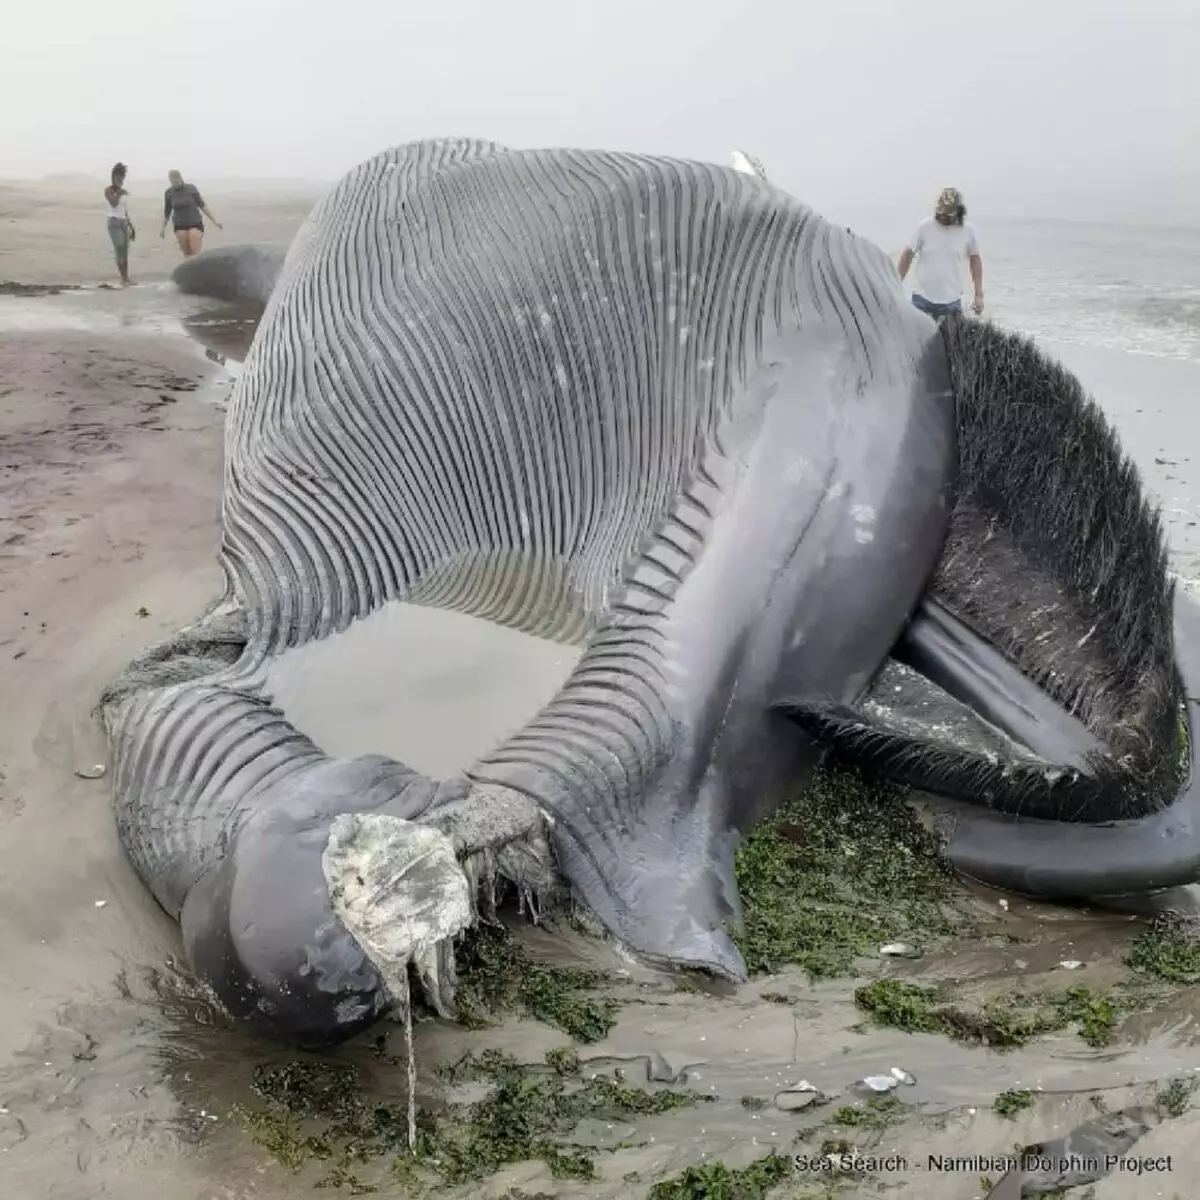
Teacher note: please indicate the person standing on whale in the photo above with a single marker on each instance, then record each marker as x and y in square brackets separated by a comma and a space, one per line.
[184, 207]
[939, 246]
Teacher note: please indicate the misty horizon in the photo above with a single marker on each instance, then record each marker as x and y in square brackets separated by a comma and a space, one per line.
[1086, 111]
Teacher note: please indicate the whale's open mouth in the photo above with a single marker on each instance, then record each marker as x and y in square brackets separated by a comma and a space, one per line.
[1045, 687]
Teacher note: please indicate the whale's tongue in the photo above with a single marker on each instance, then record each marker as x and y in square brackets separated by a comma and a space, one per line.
[950, 715]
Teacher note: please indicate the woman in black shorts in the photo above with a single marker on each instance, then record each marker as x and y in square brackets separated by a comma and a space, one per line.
[183, 206]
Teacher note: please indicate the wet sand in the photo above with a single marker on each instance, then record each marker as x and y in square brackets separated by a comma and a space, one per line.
[54, 231]
[116, 1081]
[110, 451]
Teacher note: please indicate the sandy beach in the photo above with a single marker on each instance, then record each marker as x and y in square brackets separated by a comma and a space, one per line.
[116, 1079]
[54, 231]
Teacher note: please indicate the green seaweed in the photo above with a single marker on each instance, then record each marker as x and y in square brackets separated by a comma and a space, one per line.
[1176, 1098]
[496, 974]
[1014, 1101]
[1005, 1021]
[527, 1116]
[877, 1112]
[912, 1007]
[1167, 951]
[316, 1111]
[564, 1060]
[841, 867]
[716, 1181]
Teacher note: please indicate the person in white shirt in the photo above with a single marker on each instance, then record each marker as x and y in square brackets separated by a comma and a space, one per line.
[120, 227]
[940, 246]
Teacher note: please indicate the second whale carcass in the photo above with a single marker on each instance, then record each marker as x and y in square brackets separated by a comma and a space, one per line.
[663, 415]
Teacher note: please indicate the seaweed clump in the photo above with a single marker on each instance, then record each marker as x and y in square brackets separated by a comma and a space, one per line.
[838, 869]
[316, 1111]
[529, 1115]
[1176, 1098]
[496, 974]
[1015, 1100]
[716, 1181]
[1003, 1022]
[879, 1112]
[1169, 950]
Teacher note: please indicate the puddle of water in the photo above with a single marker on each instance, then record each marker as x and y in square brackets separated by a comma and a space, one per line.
[225, 333]
[433, 688]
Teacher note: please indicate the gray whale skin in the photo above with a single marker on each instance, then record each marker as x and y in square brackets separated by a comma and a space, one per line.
[662, 412]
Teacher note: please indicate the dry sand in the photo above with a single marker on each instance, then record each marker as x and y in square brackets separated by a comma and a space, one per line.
[114, 1082]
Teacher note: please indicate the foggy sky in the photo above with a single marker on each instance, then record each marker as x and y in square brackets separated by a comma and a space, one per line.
[1089, 107]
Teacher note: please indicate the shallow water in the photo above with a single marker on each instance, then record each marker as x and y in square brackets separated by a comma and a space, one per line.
[153, 307]
[225, 333]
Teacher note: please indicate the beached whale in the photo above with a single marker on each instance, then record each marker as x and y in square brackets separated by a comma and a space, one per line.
[662, 414]
[238, 274]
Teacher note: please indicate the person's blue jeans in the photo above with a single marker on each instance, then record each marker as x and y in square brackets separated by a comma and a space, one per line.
[937, 311]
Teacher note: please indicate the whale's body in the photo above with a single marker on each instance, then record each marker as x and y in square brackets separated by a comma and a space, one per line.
[656, 412]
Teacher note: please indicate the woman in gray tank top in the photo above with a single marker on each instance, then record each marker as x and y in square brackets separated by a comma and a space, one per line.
[183, 206]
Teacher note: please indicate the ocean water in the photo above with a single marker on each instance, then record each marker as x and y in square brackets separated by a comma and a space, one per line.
[1120, 287]
[1119, 306]
[1131, 288]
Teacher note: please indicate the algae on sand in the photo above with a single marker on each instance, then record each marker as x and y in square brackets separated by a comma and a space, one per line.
[1005, 1021]
[529, 1114]
[716, 1181]
[1176, 1098]
[877, 1112]
[840, 868]
[496, 974]
[316, 1111]
[1169, 950]
[1014, 1101]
